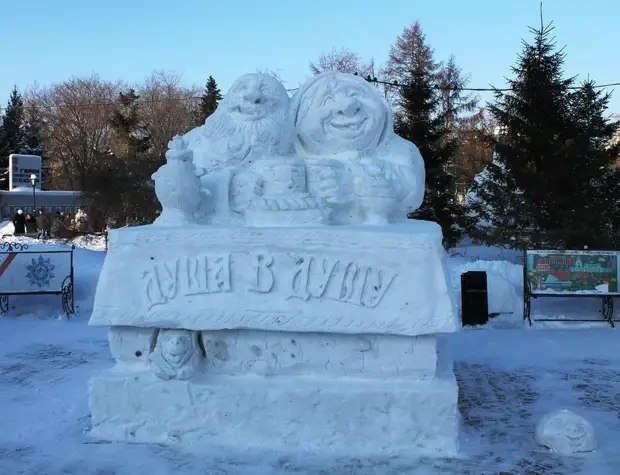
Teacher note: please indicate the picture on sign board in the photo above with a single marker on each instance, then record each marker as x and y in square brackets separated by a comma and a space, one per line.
[572, 272]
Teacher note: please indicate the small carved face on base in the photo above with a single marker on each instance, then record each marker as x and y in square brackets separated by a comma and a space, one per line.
[176, 347]
[566, 433]
[175, 355]
[338, 113]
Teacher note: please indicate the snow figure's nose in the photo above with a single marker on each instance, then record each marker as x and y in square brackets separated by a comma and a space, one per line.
[349, 107]
[253, 95]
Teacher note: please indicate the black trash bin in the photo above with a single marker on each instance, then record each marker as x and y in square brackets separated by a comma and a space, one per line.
[474, 298]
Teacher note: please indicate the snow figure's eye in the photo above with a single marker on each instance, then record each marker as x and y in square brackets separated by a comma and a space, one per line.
[328, 100]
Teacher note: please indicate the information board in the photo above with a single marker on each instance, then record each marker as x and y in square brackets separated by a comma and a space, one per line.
[20, 169]
[572, 272]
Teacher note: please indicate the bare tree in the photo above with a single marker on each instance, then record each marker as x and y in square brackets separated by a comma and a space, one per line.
[167, 108]
[410, 52]
[76, 115]
[343, 61]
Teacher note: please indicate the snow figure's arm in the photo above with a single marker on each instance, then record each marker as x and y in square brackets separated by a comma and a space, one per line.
[405, 166]
[376, 178]
[331, 180]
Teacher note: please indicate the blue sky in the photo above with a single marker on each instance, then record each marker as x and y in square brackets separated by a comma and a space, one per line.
[129, 39]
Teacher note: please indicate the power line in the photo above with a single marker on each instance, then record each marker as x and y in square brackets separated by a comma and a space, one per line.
[369, 79]
[374, 80]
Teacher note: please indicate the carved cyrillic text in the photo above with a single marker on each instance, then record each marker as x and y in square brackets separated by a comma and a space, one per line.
[262, 275]
[332, 279]
[197, 275]
[294, 276]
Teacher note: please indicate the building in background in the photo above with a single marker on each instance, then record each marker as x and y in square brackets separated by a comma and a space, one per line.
[49, 201]
[22, 196]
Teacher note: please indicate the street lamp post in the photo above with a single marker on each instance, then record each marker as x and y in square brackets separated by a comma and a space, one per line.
[33, 182]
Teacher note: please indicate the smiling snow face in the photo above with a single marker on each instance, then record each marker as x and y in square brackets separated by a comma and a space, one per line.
[339, 113]
[566, 433]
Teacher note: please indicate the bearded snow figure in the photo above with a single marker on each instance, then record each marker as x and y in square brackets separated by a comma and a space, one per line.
[344, 129]
[250, 122]
[176, 354]
[565, 433]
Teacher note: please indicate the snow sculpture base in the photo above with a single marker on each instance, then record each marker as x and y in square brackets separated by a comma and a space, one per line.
[353, 417]
[318, 339]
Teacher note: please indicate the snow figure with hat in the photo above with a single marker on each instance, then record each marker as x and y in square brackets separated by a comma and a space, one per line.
[250, 122]
[344, 130]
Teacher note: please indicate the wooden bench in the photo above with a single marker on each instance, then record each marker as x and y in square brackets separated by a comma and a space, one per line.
[571, 274]
[36, 272]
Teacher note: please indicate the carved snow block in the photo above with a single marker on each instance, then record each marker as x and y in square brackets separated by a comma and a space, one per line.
[131, 345]
[319, 354]
[333, 279]
[321, 339]
[353, 417]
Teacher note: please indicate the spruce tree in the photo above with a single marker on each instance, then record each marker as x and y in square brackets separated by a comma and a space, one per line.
[33, 127]
[209, 101]
[592, 220]
[456, 104]
[120, 184]
[610, 212]
[34, 143]
[12, 131]
[421, 120]
[127, 126]
[530, 182]
[13, 124]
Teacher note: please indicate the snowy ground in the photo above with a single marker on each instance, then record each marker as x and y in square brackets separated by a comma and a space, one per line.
[509, 376]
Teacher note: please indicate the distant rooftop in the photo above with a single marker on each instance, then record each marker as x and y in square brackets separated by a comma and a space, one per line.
[27, 190]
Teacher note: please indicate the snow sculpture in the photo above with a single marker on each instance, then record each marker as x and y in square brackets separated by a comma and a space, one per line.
[177, 186]
[566, 433]
[314, 333]
[251, 121]
[176, 354]
[356, 161]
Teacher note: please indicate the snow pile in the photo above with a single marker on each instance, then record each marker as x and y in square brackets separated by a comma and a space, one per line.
[6, 227]
[469, 251]
[91, 242]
